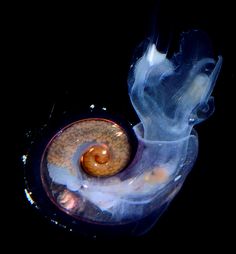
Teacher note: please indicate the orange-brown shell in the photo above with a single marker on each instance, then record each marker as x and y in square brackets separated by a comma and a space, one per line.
[108, 153]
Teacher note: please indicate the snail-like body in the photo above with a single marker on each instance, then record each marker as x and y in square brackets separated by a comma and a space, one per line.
[87, 168]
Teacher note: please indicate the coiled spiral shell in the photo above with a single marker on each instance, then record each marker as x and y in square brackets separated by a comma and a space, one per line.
[102, 147]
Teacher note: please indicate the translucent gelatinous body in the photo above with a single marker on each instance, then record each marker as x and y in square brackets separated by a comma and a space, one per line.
[87, 169]
[158, 168]
[171, 95]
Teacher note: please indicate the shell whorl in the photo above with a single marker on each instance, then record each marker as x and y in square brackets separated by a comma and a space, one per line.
[105, 147]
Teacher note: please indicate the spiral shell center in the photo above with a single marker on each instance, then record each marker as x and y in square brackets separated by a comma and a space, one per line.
[104, 147]
[93, 157]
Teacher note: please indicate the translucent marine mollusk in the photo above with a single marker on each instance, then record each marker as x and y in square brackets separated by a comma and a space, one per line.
[87, 168]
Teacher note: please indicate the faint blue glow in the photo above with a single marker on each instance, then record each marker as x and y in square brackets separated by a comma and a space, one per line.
[177, 178]
[28, 196]
[54, 221]
[24, 158]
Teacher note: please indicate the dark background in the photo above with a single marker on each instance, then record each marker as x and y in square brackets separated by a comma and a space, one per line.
[74, 56]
